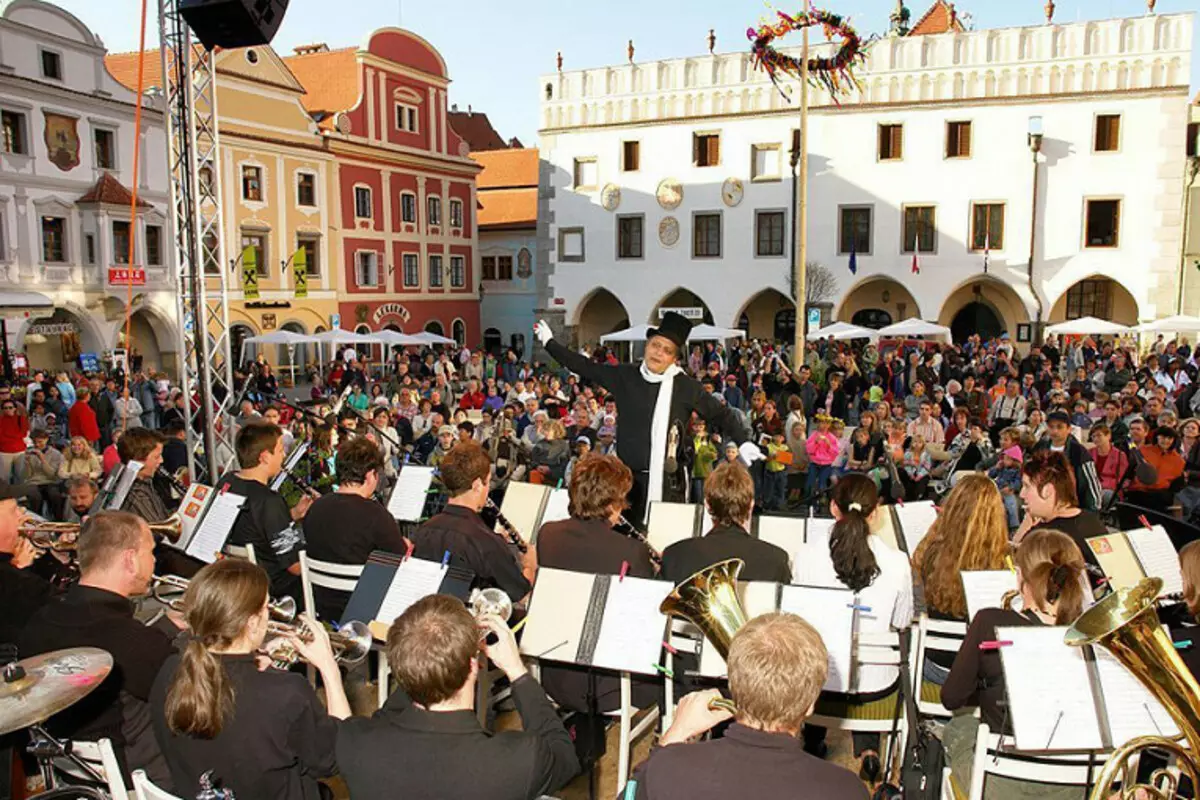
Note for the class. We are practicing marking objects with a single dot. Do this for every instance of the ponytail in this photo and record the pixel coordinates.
(200, 696)
(856, 498)
(1052, 566)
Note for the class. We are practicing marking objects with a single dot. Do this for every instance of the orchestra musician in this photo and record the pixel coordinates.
(22, 590)
(1181, 618)
(587, 542)
(265, 522)
(263, 732)
(426, 742)
(116, 563)
(146, 447)
(82, 492)
(1051, 502)
(646, 428)
(347, 525)
(1050, 580)
(459, 530)
(777, 666)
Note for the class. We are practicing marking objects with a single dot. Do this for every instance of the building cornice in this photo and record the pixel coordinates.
(65, 94)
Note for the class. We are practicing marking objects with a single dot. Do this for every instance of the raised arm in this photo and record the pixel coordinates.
(584, 367)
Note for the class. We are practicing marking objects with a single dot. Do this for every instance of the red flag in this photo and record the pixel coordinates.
(916, 266)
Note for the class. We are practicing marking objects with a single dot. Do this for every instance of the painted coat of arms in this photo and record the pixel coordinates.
(62, 141)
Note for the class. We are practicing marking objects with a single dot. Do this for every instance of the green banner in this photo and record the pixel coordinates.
(300, 272)
(249, 273)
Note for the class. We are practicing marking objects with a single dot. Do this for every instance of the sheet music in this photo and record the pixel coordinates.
(830, 612)
(915, 521)
(813, 565)
(556, 613)
(522, 505)
(985, 588)
(292, 460)
(757, 598)
(129, 474)
(1132, 709)
(1157, 557)
(209, 538)
(670, 523)
(414, 579)
(632, 631)
(557, 506)
(191, 508)
(818, 529)
(784, 532)
(1116, 557)
(1038, 658)
(407, 501)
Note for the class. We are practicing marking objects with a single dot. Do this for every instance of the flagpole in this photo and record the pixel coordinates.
(800, 270)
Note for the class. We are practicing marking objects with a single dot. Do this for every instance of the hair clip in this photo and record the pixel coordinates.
(855, 507)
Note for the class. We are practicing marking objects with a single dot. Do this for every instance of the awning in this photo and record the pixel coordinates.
(914, 327)
(1087, 326)
(14, 303)
(841, 331)
(637, 333)
(708, 333)
(1179, 323)
(427, 337)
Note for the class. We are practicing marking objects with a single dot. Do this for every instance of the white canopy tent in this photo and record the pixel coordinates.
(284, 337)
(1087, 326)
(637, 333)
(398, 339)
(1179, 323)
(427, 337)
(841, 331)
(710, 333)
(914, 327)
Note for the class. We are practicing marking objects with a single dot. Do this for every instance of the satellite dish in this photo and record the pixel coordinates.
(342, 122)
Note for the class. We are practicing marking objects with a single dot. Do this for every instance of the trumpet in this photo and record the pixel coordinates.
(283, 609)
(350, 643)
(490, 602)
(60, 537)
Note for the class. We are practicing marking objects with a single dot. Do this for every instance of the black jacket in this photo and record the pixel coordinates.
(472, 545)
(1087, 482)
(22, 593)
(764, 561)
(406, 751)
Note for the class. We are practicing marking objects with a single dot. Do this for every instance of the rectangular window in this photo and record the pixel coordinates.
(12, 133)
(154, 246)
(629, 236)
(456, 213)
(891, 142)
(987, 226)
(920, 230)
(54, 240)
(706, 238)
(306, 189)
(408, 207)
(504, 268)
(765, 162)
(106, 148)
(958, 140)
(487, 266)
(412, 270)
(434, 210)
(1103, 223)
(366, 264)
(210, 255)
(587, 174)
(769, 233)
(1108, 133)
(252, 183)
(706, 149)
(631, 156)
(206, 181)
(435, 272)
(89, 247)
(571, 244)
(363, 207)
(458, 272)
(1090, 299)
(1193, 139)
(51, 65)
(854, 230)
(406, 118)
(257, 242)
(312, 255)
(120, 242)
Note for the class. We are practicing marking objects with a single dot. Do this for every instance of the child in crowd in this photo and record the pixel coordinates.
(731, 452)
(917, 466)
(1007, 475)
(863, 455)
(779, 455)
(1081, 419)
(704, 460)
(823, 449)
(583, 446)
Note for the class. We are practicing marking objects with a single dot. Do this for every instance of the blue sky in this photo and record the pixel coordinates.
(496, 50)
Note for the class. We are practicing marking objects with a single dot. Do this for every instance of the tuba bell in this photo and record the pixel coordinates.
(1126, 624)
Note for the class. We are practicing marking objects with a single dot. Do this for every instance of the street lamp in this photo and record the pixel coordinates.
(1035, 136)
(1036, 132)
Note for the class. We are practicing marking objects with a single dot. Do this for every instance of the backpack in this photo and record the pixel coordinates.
(924, 755)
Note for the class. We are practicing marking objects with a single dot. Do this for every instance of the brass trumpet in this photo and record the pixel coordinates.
(61, 537)
(350, 643)
(283, 609)
(491, 601)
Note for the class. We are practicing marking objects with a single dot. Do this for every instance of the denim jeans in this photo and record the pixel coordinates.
(1011, 510)
(818, 479)
(775, 489)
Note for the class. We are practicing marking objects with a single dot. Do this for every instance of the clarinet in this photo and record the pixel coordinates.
(175, 484)
(514, 538)
(626, 528)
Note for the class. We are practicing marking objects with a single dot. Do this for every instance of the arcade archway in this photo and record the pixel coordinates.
(685, 302)
(599, 314)
(770, 314)
(985, 306)
(876, 302)
(1099, 297)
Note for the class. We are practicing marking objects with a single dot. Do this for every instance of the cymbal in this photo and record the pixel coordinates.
(52, 682)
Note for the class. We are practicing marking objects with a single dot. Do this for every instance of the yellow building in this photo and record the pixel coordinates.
(279, 195)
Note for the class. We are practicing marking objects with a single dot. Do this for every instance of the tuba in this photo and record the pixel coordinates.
(1126, 624)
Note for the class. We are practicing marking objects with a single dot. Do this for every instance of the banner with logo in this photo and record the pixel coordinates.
(300, 272)
(249, 273)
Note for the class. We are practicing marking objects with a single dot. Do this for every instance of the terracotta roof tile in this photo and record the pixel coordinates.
(940, 18)
(507, 169)
(476, 130)
(109, 191)
(124, 68)
(508, 208)
(330, 80)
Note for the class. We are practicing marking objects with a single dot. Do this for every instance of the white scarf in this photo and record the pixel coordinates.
(659, 424)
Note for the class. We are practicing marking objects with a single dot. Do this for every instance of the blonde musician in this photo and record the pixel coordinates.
(1050, 582)
(1182, 618)
(263, 732)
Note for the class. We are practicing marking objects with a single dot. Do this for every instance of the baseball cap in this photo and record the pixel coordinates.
(1014, 453)
(450, 429)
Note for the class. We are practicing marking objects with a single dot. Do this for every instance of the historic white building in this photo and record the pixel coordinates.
(669, 182)
(66, 169)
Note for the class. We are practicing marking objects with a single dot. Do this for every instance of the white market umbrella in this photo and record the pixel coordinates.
(1179, 323)
(398, 339)
(841, 331)
(914, 327)
(427, 337)
(338, 336)
(281, 337)
(1088, 326)
(637, 333)
(708, 333)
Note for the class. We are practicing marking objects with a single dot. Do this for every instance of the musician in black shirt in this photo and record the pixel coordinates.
(22, 590)
(146, 447)
(346, 526)
(459, 530)
(265, 521)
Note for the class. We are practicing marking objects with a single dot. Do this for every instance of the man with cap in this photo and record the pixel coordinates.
(656, 400)
(1059, 439)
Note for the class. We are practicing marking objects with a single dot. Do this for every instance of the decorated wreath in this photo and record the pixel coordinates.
(836, 73)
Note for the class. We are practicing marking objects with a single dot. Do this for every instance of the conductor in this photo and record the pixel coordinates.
(656, 399)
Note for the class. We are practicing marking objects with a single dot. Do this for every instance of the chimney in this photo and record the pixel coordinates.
(454, 108)
(469, 110)
(309, 49)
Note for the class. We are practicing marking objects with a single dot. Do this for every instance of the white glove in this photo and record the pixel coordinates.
(542, 331)
(749, 453)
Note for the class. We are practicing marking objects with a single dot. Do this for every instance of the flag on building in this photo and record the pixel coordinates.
(987, 247)
(300, 272)
(916, 268)
(249, 273)
(853, 261)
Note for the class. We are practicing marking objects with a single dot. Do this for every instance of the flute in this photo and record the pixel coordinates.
(514, 538)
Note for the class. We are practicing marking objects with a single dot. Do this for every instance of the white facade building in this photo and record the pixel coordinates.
(66, 169)
(935, 149)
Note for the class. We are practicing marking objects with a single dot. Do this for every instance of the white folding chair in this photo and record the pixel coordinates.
(244, 553)
(943, 636)
(630, 733)
(1066, 769)
(333, 576)
(99, 756)
(145, 790)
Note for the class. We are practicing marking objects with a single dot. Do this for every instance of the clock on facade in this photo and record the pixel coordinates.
(610, 197)
(669, 194)
(732, 192)
(668, 232)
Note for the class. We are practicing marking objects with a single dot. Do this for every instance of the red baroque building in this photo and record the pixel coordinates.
(406, 185)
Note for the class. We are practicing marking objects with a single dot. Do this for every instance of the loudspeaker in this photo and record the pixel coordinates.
(233, 23)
